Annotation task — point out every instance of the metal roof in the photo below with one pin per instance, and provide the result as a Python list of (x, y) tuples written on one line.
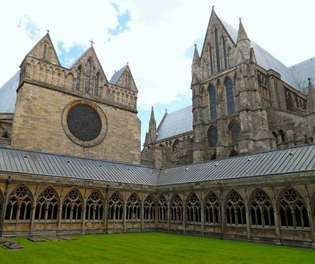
[(296, 75), (176, 123), (117, 75), (299, 159), (37, 163), (264, 164), (8, 94)]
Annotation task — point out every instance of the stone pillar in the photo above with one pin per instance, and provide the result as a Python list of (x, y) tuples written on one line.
[(310, 217), (124, 217), (60, 213), (33, 211), (4, 205), (202, 214), (247, 219), (169, 214), (222, 202), (184, 215), (84, 214), (277, 219), (142, 215), (106, 211)]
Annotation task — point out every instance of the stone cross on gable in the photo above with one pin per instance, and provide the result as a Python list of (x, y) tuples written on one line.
[(92, 42)]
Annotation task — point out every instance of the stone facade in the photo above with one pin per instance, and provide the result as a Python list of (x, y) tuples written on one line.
[(82, 119), (47, 89), (279, 210), (238, 106)]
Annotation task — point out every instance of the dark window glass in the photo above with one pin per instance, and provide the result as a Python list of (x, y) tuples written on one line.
[(229, 96), (213, 102), (212, 137)]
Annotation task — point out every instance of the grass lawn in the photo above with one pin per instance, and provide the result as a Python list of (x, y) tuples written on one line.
[(152, 248)]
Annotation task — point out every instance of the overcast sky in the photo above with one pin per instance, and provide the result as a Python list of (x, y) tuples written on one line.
[(155, 37)]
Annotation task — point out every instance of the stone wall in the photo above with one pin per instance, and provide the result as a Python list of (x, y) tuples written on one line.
[(251, 209), (38, 126)]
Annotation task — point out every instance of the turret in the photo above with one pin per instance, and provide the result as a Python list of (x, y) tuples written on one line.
[(311, 97), (195, 68), (243, 45), (151, 135)]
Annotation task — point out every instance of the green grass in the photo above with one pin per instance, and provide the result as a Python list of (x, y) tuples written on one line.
[(153, 248)]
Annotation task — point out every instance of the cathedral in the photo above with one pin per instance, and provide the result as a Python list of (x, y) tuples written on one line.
[(239, 163)]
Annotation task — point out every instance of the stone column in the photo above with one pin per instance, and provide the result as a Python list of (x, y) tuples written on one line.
[(142, 215), (83, 215), (222, 202), (106, 211), (169, 214), (310, 217), (4, 205), (124, 217), (33, 211), (202, 214), (60, 213), (184, 215), (247, 216), (277, 219)]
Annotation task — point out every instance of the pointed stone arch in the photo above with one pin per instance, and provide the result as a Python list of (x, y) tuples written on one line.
[(47, 205), (234, 131), (235, 209), (261, 211), (149, 206), (115, 207), (72, 208), (212, 209), (162, 209), (193, 208), (19, 206), (292, 209), (95, 206), (133, 207), (176, 207)]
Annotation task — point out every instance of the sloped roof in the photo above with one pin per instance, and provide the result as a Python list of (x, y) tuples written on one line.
[(176, 123), (302, 71), (115, 78), (8, 94), (72, 167), (267, 61), (299, 159)]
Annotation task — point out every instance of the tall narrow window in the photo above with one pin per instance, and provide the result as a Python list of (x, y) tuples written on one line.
[(212, 137), (235, 209), (72, 206), (217, 49), (89, 74), (79, 77), (210, 59), (213, 102), (225, 53), (45, 51), (47, 205), (149, 209), (115, 207), (193, 209), (162, 209), (94, 207), (97, 83), (133, 207), (229, 96), (212, 209), (176, 208)]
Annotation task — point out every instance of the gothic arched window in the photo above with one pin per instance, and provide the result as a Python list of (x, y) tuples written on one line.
[(293, 212), (47, 205), (217, 49), (212, 209), (175, 145), (79, 78), (235, 209), (225, 53), (19, 206), (72, 206), (162, 209), (261, 211), (213, 101), (176, 209), (89, 76), (97, 83), (149, 209), (115, 207), (229, 96), (193, 209), (212, 135), (133, 207), (94, 207), (235, 131)]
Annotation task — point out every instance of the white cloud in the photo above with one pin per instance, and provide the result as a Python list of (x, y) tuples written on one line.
[(158, 35)]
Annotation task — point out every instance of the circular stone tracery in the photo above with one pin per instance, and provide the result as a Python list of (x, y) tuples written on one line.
[(84, 122)]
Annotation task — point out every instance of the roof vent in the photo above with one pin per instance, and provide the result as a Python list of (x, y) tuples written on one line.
[(100, 166), (186, 169), (25, 157), (216, 164), (249, 159), (291, 153), (68, 161)]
